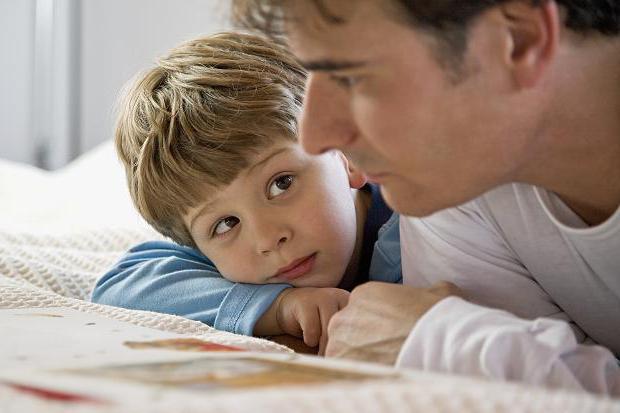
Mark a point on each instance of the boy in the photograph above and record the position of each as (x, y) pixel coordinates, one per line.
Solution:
(208, 141)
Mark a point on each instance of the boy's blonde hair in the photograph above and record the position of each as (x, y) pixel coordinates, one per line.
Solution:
(196, 119)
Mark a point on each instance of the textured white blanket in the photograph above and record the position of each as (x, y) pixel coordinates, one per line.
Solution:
(60, 231)
(48, 271)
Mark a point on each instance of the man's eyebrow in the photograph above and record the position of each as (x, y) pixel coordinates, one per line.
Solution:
(331, 65)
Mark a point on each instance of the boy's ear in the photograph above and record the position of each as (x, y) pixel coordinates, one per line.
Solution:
(357, 178)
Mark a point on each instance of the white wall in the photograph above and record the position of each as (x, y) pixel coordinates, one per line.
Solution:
(16, 49)
(121, 37)
(96, 47)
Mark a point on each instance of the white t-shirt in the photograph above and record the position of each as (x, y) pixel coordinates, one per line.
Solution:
(520, 249)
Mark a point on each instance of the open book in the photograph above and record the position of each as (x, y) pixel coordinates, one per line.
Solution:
(74, 357)
(59, 359)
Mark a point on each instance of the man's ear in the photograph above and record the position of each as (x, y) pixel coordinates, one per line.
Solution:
(357, 178)
(534, 32)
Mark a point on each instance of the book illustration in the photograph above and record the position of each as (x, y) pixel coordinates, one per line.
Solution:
(102, 360)
(180, 344)
(223, 373)
(53, 395)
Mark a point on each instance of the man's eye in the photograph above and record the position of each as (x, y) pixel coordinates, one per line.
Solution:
(225, 225)
(346, 82)
(280, 185)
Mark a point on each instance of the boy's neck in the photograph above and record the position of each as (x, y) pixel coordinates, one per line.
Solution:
(362, 200)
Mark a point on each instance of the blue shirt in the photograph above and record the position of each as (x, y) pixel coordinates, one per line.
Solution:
(168, 278)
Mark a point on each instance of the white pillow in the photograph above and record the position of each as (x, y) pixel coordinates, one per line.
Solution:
(88, 193)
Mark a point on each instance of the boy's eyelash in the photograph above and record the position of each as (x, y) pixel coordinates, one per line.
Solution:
(212, 231)
(279, 176)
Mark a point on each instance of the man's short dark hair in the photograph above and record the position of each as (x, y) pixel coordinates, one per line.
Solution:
(447, 20)
(582, 15)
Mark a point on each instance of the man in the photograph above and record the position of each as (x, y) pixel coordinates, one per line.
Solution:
(496, 124)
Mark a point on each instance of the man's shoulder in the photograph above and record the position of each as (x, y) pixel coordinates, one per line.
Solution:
(508, 199)
(513, 201)
(498, 217)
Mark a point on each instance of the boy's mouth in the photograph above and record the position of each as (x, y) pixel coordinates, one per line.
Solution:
(297, 268)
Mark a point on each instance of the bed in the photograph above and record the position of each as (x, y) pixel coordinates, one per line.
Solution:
(59, 230)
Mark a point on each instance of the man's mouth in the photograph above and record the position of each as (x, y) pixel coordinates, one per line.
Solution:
(297, 268)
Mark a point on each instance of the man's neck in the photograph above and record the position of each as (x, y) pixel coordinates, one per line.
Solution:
(580, 160)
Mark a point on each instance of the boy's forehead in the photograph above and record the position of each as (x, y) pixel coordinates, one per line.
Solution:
(266, 156)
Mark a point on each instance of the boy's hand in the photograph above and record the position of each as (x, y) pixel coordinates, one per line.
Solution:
(303, 312)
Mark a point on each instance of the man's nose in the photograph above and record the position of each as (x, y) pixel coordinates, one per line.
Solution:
(326, 121)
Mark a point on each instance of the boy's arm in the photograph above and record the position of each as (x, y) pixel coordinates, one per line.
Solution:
(165, 277)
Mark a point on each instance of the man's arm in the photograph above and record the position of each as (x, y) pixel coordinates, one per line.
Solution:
(379, 318)
(460, 337)
(165, 277)
(433, 329)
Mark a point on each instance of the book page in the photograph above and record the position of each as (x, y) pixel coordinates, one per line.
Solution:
(76, 357)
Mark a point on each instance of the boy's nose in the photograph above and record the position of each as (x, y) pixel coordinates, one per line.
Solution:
(326, 121)
(271, 233)
(278, 245)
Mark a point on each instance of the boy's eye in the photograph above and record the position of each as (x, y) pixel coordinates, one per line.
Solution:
(280, 185)
(225, 225)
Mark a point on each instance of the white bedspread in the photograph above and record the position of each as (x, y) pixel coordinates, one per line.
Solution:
(60, 230)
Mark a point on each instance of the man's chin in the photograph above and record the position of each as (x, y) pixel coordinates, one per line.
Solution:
(409, 202)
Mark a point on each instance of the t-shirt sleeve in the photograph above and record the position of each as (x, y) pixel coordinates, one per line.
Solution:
(165, 277)
(460, 337)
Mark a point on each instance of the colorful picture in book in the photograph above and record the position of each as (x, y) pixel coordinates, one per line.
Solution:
(223, 373)
(180, 344)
